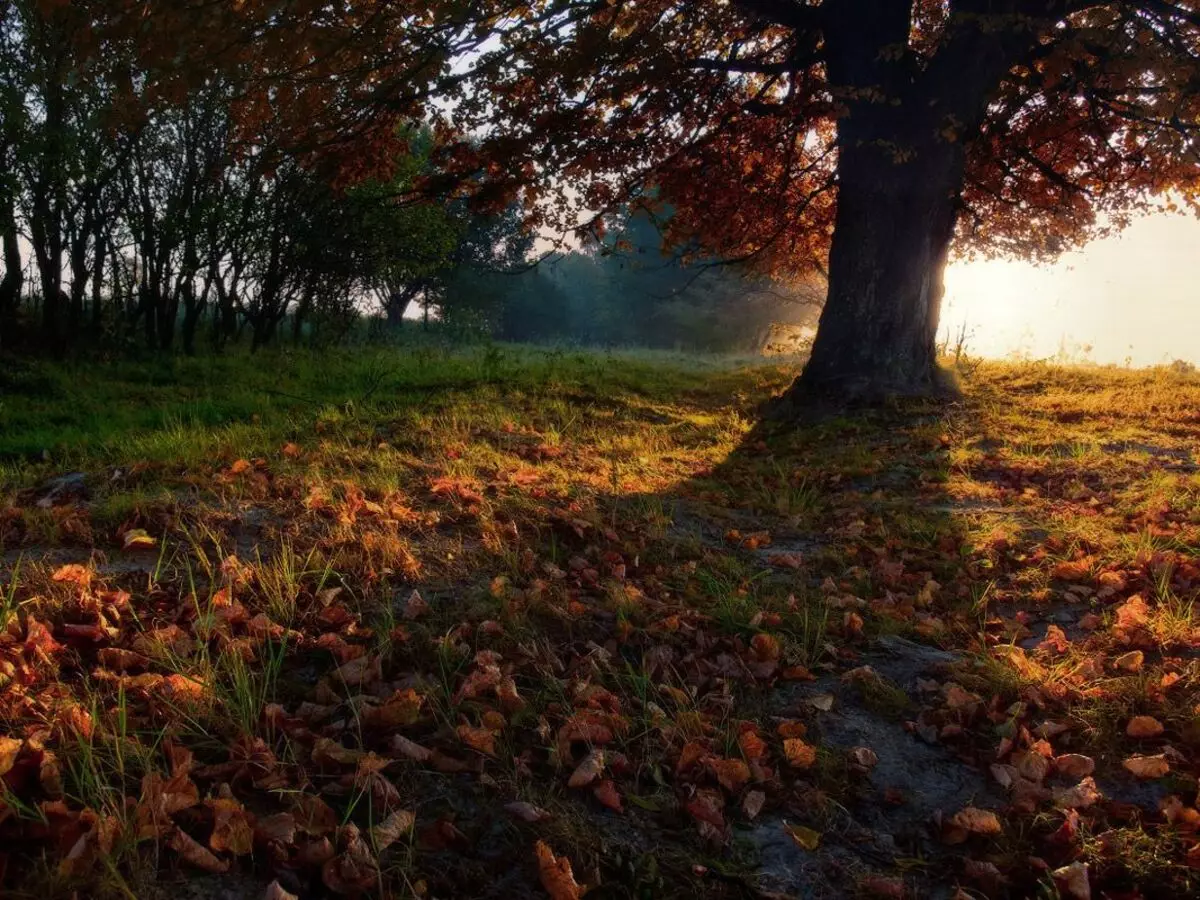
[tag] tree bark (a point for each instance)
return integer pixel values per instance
(901, 162)
(878, 330)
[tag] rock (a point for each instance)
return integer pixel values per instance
(65, 489)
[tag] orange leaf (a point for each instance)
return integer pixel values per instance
(73, 573)
(977, 821)
(799, 754)
(481, 739)
(556, 875)
(1132, 614)
(1073, 570)
(731, 773)
(1144, 727)
(606, 792)
(9, 748)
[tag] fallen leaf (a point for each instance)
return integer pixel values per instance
(1072, 570)
(884, 886)
(799, 754)
(977, 821)
(608, 795)
(752, 804)
(232, 832)
(1148, 766)
(280, 827)
(1131, 661)
(9, 748)
(527, 812)
(314, 816)
(804, 837)
(276, 892)
(416, 606)
(360, 671)
(1132, 614)
(822, 702)
(1081, 796)
(556, 875)
(588, 770)
(138, 539)
(1074, 765)
(410, 749)
(708, 806)
(1144, 727)
(864, 757)
(732, 774)
(73, 573)
(1072, 881)
(391, 829)
(481, 739)
(196, 854)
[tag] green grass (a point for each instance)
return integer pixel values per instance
(180, 410)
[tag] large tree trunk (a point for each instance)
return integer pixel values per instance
(895, 222)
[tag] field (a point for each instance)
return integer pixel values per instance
(515, 623)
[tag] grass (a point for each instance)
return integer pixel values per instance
(604, 550)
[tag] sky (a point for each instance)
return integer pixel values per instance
(1133, 298)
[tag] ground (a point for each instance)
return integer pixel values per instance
(509, 622)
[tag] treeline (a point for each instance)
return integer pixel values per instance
(161, 225)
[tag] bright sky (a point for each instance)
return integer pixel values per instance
(1132, 297)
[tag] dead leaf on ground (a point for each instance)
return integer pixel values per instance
(799, 754)
(1074, 765)
(556, 875)
(1072, 880)
(415, 606)
(391, 829)
(527, 812)
(1081, 796)
(1144, 727)
(977, 821)
(804, 837)
(608, 795)
(275, 891)
(588, 770)
(1147, 766)
(196, 854)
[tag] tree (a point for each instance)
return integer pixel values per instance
(867, 134)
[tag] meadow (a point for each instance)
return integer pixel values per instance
(508, 622)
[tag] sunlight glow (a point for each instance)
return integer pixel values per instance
(1133, 298)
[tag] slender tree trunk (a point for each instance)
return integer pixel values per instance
(100, 252)
(14, 274)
